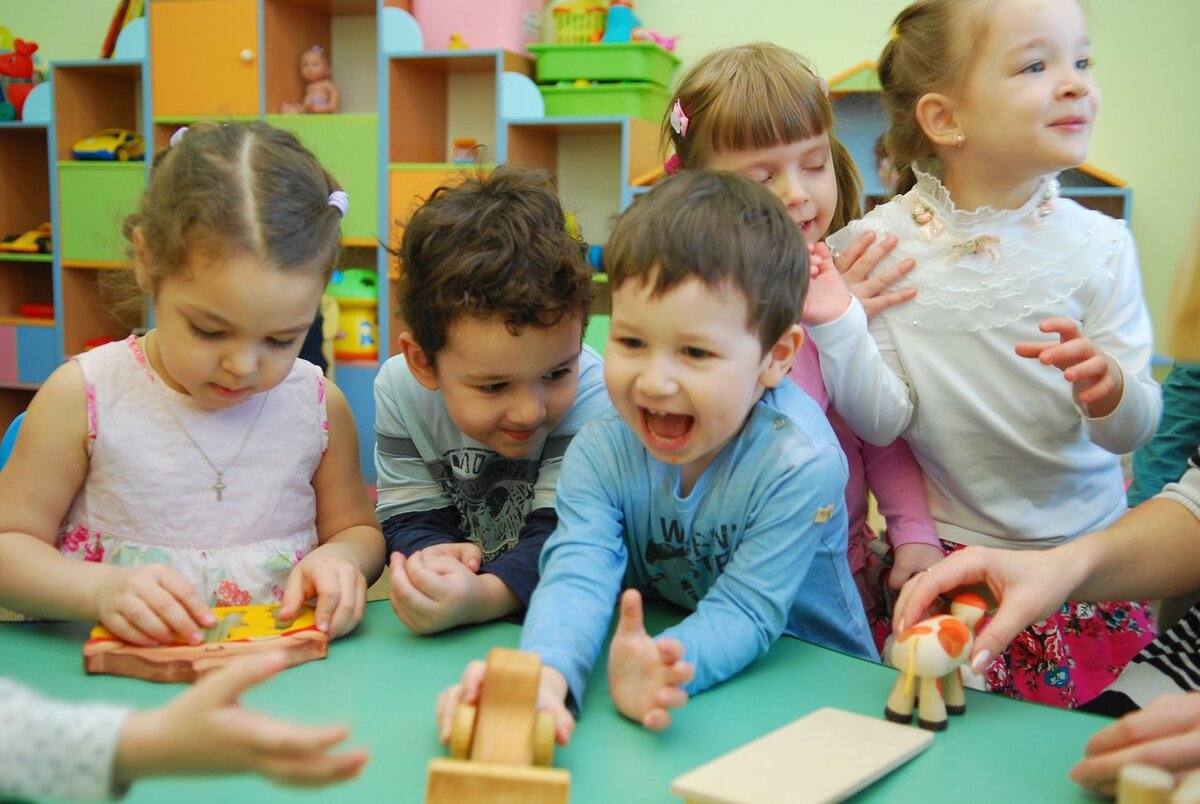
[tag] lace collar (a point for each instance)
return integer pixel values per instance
(933, 209)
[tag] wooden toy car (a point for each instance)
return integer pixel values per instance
(501, 750)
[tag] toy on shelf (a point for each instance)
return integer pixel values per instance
(111, 145)
(35, 310)
(464, 151)
(579, 22)
(457, 43)
(239, 630)
(647, 35)
(501, 750)
(35, 241)
(320, 94)
(17, 67)
(357, 295)
(931, 653)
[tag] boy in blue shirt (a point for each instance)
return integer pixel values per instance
(473, 416)
(719, 486)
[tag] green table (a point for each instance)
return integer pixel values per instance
(383, 681)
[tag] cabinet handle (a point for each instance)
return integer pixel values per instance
(247, 55)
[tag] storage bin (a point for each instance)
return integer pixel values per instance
(481, 24)
(624, 61)
(636, 99)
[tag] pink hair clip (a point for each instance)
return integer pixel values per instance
(679, 120)
(673, 165)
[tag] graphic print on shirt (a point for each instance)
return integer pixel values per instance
(682, 566)
(491, 493)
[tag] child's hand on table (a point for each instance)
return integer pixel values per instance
(645, 675)
(552, 697)
(437, 588)
(334, 579)
(150, 604)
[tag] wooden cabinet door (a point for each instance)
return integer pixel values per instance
(204, 57)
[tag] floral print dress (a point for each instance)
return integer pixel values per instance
(151, 495)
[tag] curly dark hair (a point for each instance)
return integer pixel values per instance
(492, 246)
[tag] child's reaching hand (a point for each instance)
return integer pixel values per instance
(645, 675)
(828, 297)
(440, 587)
(205, 731)
(909, 559)
(1096, 378)
(150, 604)
(332, 576)
(856, 263)
(552, 697)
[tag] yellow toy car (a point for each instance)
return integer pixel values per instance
(35, 241)
(112, 145)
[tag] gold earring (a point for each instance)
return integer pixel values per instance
(959, 139)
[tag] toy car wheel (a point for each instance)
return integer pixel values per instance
(43, 245)
(122, 154)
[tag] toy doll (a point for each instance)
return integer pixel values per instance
(320, 95)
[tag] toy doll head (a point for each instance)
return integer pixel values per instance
(314, 64)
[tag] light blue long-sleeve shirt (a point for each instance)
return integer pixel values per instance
(756, 550)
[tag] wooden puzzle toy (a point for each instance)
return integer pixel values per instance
(501, 749)
(239, 630)
(930, 653)
(825, 756)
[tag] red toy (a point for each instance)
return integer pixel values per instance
(18, 66)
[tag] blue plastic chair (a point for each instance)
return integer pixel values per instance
(10, 438)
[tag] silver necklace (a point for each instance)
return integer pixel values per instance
(218, 485)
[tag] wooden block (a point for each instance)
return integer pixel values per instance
(825, 756)
(1144, 784)
(454, 781)
(504, 723)
(239, 630)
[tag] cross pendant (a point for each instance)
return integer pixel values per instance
(218, 487)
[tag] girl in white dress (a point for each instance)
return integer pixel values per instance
(1021, 370)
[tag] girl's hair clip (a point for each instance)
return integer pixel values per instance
(177, 136)
(894, 33)
(339, 201)
(679, 120)
(317, 49)
(673, 165)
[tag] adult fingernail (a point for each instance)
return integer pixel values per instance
(981, 661)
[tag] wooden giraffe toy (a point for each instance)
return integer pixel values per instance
(931, 653)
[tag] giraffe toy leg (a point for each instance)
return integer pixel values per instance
(900, 702)
(932, 714)
(952, 691)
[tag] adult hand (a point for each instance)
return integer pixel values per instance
(1165, 734)
(1027, 585)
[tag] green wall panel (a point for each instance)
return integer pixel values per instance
(94, 198)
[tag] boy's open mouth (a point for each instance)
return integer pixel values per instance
(667, 430)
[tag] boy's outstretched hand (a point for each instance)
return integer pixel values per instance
(206, 731)
(645, 675)
(552, 697)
